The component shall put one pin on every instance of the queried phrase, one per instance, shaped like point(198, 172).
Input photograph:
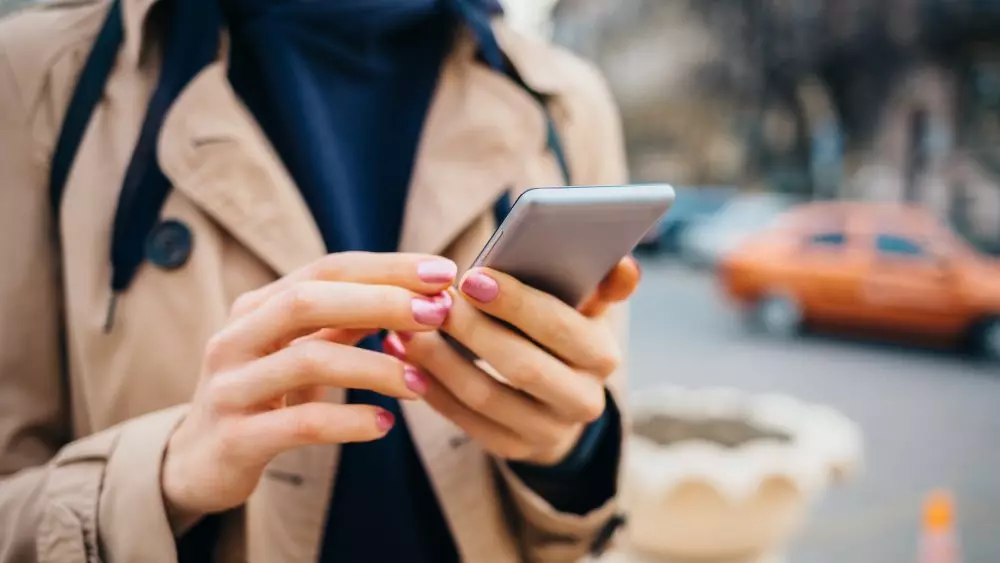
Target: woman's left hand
point(555, 386)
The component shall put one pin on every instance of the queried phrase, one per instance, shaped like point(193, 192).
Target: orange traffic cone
point(939, 542)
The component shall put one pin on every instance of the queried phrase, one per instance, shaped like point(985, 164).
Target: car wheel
point(778, 315)
point(989, 339)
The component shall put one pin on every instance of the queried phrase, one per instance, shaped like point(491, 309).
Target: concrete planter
point(725, 476)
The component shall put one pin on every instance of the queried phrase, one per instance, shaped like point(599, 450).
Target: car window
point(892, 245)
point(828, 240)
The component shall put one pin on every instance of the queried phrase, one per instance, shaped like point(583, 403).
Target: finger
point(617, 286)
point(496, 439)
point(309, 306)
point(420, 273)
point(545, 319)
point(346, 336)
point(571, 395)
point(262, 436)
point(477, 390)
point(313, 363)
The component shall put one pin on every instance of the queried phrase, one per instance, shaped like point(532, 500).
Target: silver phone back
point(565, 240)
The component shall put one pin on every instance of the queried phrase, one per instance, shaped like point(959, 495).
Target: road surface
point(930, 420)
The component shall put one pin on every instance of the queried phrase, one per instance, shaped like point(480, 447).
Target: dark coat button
point(607, 533)
point(169, 244)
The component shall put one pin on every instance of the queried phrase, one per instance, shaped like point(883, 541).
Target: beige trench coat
point(81, 447)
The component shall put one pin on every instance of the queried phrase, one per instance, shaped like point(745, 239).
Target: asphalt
point(930, 419)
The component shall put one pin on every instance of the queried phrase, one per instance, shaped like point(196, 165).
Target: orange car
point(884, 267)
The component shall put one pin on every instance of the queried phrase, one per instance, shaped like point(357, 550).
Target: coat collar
point(480, 131)
point(536, 71)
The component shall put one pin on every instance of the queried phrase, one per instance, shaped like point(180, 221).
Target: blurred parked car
point(705, 241)
point(691, 205)
point(888, 267)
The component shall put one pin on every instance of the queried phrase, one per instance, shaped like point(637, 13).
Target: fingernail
point(385, 420)
point(443, 299)
point(393, 346)
point(404, 336)
point(415, 380)
point(480, 287)
point(437, 271)
point(428, 312)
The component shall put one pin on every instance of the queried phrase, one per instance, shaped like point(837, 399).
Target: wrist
point(180, 516)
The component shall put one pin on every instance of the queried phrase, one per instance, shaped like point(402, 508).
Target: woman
point(221, 309)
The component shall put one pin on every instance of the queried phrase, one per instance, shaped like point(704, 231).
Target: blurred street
point(930, 419)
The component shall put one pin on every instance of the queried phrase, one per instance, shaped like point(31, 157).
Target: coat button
point(169, 244)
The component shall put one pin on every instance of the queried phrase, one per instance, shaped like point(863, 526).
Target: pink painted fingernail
point(385, 420)
point(392, 346)
point(480, 287)
point(444, 300)
point(439, 270)
point(415, 380)
point(428, 312)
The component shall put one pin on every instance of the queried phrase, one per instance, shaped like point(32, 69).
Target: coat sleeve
point(596, 155)
point(97, 498)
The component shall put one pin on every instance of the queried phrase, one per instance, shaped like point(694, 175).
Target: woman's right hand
point(265, 372)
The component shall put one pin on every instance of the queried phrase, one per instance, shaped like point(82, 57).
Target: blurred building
point(7, 6)
point(895, 99)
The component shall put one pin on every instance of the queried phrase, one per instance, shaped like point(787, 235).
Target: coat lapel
point(214, 153)
point(480, 130)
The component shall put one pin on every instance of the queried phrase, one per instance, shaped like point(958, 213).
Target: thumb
point(620, 283)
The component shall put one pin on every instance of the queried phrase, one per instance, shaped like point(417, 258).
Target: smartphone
point(563, 241)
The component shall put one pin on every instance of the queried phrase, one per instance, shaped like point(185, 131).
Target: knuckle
point(607, 360)
point(307, 357)
point(525, 373)
point(479, 395)
point(216, 349)
point(295, 301)
point(308, 427)
point(561, 331)
point(244, 304)
point(592, 406)
point(217, 391)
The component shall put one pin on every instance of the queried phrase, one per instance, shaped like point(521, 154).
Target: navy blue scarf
point(341, 88)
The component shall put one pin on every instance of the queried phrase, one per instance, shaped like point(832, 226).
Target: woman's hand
point(555, 386)
point(283, 346)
